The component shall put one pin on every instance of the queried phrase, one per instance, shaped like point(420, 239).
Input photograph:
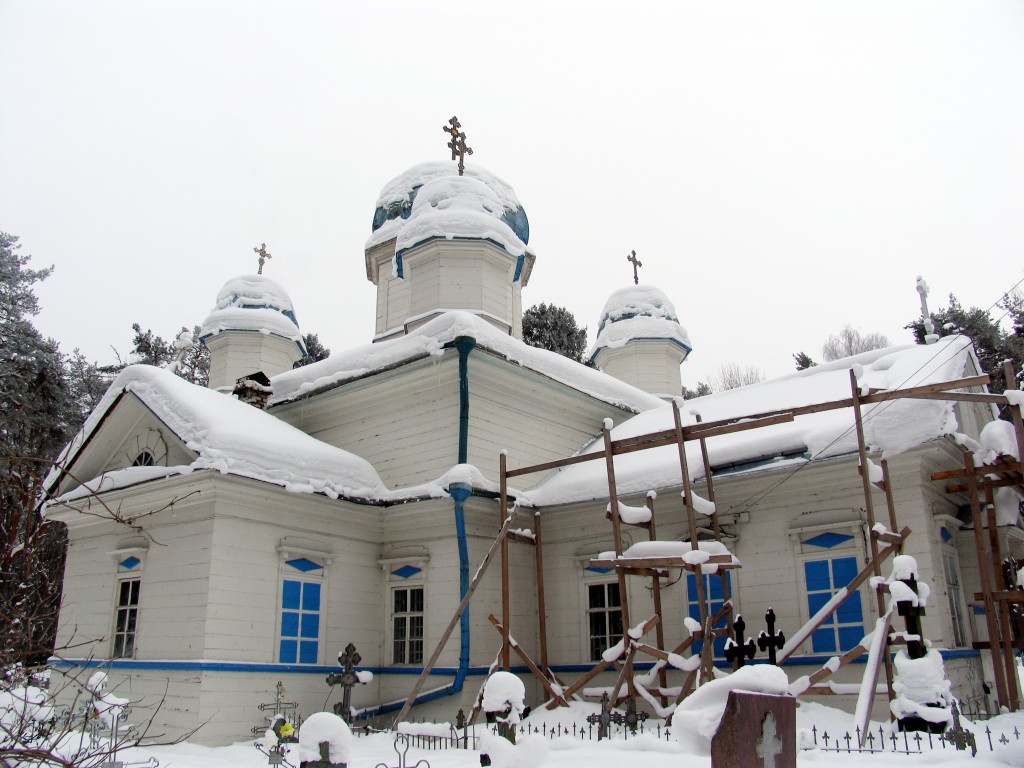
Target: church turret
point(251, 328)
point(442, 241)
point(640, 341)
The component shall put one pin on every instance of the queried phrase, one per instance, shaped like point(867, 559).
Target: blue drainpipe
point(460, 492)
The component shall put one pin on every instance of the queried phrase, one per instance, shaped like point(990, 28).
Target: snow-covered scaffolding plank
point(557, 697)
point(631, 515)
point(709, 557)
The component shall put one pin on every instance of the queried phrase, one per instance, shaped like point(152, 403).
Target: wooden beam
point(552, 693)
point(473, 584)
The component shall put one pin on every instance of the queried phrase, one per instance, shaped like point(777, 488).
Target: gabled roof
point(432, 338)
point(228, 436)
point(892, 426)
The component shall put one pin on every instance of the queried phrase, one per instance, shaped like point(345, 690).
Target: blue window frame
point(844, 629)
point(715, 600)
point(300, 622)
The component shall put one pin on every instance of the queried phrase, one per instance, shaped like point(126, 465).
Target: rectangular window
point(715, 596)
point(300, 622)
point(953, 593)
point(844, 629)
point(604, 617)
point(126, 618)
point(407, 625)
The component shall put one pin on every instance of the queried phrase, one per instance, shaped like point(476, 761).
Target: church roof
point(893, 426)
point(253, 303)
point(431, 200)
point(638, 312)
point(431, 339)
point(228, 436)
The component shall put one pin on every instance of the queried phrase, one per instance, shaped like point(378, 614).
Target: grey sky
point(780, 168)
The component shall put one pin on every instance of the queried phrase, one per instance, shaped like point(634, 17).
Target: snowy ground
point(640, 752)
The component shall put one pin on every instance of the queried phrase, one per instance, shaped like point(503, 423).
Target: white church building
point(353, 499)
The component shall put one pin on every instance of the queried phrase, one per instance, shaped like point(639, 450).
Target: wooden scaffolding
point(691, 557)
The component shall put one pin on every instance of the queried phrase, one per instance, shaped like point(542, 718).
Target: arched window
point(144, 459)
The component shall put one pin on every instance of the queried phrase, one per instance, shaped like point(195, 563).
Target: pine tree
point(150, 349)
point(992, 343)
point(803, 361)
point(701, 390)
point(315, 351)
point(554, 328)
point(36, 417)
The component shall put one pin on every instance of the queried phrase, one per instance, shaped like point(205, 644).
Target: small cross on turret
point(264, 254)
point(636, 263)
point(458, 144)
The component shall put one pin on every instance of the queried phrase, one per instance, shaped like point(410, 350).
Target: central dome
point(436, 202)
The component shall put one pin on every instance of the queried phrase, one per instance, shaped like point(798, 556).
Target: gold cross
point(264, 254)
point(458, 143)
point(636, 263)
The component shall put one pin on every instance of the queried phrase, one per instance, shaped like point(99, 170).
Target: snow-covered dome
point(253, 303)
point(431, 200)
point(638, 312)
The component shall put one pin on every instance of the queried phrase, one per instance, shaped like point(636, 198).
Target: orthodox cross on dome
point(264, 254)
point(458, 143)
point(636, 263)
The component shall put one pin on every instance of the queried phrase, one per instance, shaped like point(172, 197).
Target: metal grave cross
point(602, 719)
point(264, 254)
point(771, 640)
point(458, 144)
point(348, 679)
point(740, 649)
point(631, 719)
point(769, 745)
point(636, 263)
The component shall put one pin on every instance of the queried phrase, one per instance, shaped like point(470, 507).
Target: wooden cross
point(264, 254)
point(769, 745)
point(458, 143)
point(771, 640)
point(636, 263)
point(740, 649)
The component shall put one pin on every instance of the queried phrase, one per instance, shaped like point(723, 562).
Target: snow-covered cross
point(264, 254)
point(769, 745)
point(771, 640)
point(458, 143)
point(929, 325)
point(636, 263)
point(738, 650)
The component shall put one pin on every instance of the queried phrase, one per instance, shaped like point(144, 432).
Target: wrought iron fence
point(906, 742)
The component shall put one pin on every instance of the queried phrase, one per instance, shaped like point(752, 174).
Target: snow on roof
point(432, 200)
point(893, 426)
point(252, 303)
point(431, 338)
point(233, 438)
point(638, 312)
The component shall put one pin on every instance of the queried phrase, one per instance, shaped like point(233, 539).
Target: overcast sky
point(781, 169)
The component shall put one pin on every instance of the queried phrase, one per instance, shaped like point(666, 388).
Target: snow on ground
point(644, 751)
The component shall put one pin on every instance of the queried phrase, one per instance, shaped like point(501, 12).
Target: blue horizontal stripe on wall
point(310, 669)
point(238, 666)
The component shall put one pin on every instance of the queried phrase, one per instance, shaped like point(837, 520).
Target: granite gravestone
point(757, 731)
